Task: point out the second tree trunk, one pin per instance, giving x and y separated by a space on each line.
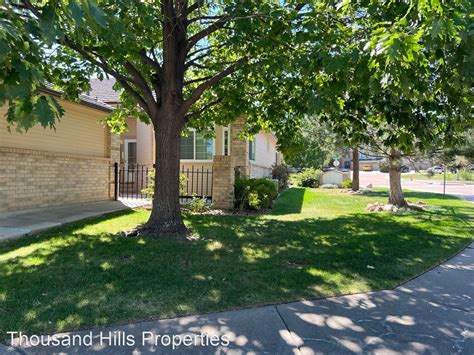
396 194
355 169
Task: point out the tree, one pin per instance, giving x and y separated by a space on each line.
404 75
355 169
314 145
179 63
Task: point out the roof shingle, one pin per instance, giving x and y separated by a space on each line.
103 90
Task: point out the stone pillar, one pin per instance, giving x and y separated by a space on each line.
223 177
114 155
240 148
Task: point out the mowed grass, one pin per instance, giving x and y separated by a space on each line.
317 243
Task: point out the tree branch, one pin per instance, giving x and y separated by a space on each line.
195 6
123 80
143 85
198 112
197 93
197 80
207 31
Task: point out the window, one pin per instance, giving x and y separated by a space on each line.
225 141
204 147
130 151
252 147
196 147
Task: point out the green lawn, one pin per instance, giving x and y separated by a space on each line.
317 243
437 177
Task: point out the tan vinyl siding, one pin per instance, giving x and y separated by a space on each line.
131 133
78 132
145 144
265 155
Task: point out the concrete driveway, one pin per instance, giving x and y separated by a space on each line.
378 179
21 223
432 314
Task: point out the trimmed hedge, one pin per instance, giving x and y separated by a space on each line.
308 178
254 194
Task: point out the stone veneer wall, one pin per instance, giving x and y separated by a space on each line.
114 154
223 182
33 178
240 148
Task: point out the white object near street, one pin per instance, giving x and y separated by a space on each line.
335 177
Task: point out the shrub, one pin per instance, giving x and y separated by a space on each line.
254 200
430 173
197 204
308 178
466 175
254 194
282 174
347 184
384 166
150 190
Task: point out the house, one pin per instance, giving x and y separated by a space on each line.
71 164
200 155
370 162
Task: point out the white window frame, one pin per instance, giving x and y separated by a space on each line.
254 151
194 150
125 148
224 130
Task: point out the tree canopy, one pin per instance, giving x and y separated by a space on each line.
401 70
64 43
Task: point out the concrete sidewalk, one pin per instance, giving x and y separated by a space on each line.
433 313
17 224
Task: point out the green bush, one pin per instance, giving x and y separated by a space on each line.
466 175
150 190
347 184
281 172
429 173
384 166
197 204
308 178
254 194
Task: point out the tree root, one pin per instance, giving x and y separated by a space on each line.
160 233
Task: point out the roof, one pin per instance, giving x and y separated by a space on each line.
103 90
84 99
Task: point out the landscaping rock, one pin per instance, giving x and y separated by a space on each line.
381 207
375 207
389 207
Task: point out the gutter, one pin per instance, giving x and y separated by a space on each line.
92 103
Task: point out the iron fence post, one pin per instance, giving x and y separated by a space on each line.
116 180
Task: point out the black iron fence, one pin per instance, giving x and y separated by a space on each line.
133 181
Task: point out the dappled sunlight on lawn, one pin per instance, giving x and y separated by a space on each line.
86 274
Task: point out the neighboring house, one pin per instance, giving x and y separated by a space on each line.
253 158
371 162
71 164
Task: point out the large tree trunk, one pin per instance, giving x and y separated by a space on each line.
355 169
396 194
165 220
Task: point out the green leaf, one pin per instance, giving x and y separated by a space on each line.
96 13
43 113
76 12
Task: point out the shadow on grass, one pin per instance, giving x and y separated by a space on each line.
67 280
410 195
290 201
